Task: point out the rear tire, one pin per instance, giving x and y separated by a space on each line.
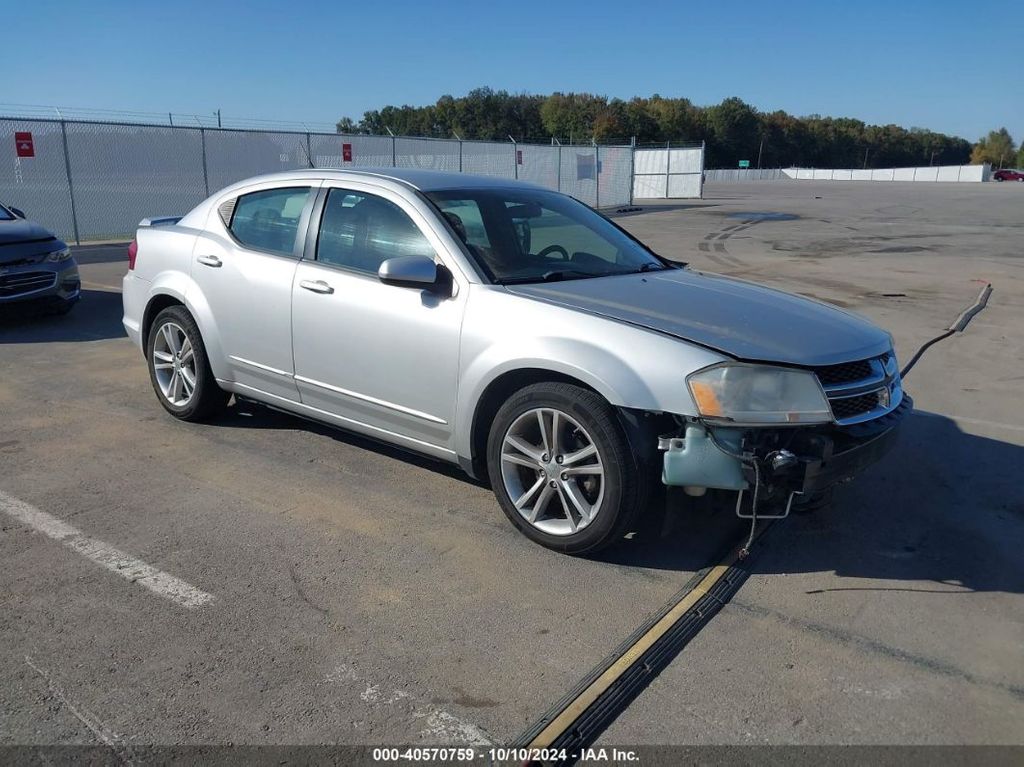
576 486
179 368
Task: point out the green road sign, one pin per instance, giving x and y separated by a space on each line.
744 163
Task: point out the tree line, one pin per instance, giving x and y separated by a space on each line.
732 130
998 149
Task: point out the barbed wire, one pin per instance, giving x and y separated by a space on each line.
220 120
175 119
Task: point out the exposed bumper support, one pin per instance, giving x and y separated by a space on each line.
823 457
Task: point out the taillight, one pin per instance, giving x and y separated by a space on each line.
133 252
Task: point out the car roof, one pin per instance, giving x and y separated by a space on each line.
415 178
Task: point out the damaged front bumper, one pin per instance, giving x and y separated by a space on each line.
784 461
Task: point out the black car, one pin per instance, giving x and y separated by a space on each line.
37 270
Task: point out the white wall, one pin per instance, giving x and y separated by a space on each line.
743 174
941 173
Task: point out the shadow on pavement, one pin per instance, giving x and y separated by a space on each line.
654 206
95 317
254 415
943 513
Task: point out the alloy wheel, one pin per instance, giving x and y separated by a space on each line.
174 364
552 471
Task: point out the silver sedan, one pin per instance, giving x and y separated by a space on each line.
514 331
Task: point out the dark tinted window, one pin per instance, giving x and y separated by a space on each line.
527 235
360 231
269 220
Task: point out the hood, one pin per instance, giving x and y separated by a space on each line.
21 240
738 318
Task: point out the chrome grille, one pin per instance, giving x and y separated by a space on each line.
861 390
25 282
850 407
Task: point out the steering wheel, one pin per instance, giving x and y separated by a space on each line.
554 249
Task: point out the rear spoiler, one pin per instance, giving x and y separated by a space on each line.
160 221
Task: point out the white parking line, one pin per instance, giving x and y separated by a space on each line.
111 288
110 557
90 720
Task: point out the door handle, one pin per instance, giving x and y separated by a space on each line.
317 286
209 261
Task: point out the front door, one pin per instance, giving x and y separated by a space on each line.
381 358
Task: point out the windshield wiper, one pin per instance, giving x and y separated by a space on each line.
554 275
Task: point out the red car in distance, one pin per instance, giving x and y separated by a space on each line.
1008 174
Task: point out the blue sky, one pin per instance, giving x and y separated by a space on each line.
935 64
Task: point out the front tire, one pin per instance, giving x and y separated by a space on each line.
563 469
179 368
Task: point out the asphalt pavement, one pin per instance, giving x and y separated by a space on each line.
264 580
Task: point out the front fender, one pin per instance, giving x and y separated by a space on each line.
630 367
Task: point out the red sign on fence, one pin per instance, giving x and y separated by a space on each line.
23 144
346 152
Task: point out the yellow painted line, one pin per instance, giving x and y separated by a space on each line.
591 693
114 288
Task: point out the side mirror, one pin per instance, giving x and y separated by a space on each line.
17 212
408 272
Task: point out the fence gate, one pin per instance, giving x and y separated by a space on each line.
668 172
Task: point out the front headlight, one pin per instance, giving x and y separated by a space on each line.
759 394
58 255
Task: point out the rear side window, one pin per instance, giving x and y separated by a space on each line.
269 220
360 231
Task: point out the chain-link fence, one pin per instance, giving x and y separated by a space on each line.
88 180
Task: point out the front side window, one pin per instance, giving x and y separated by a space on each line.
269 220
361 231
520 236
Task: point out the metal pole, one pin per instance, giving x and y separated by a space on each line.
559 166
632 167
206 178
597 176
71 188
460 149
515 158
668 162
394 157
700 183
309 151
759 149
218 118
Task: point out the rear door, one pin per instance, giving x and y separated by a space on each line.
245 275
381 358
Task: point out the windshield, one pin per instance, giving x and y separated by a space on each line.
534 236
